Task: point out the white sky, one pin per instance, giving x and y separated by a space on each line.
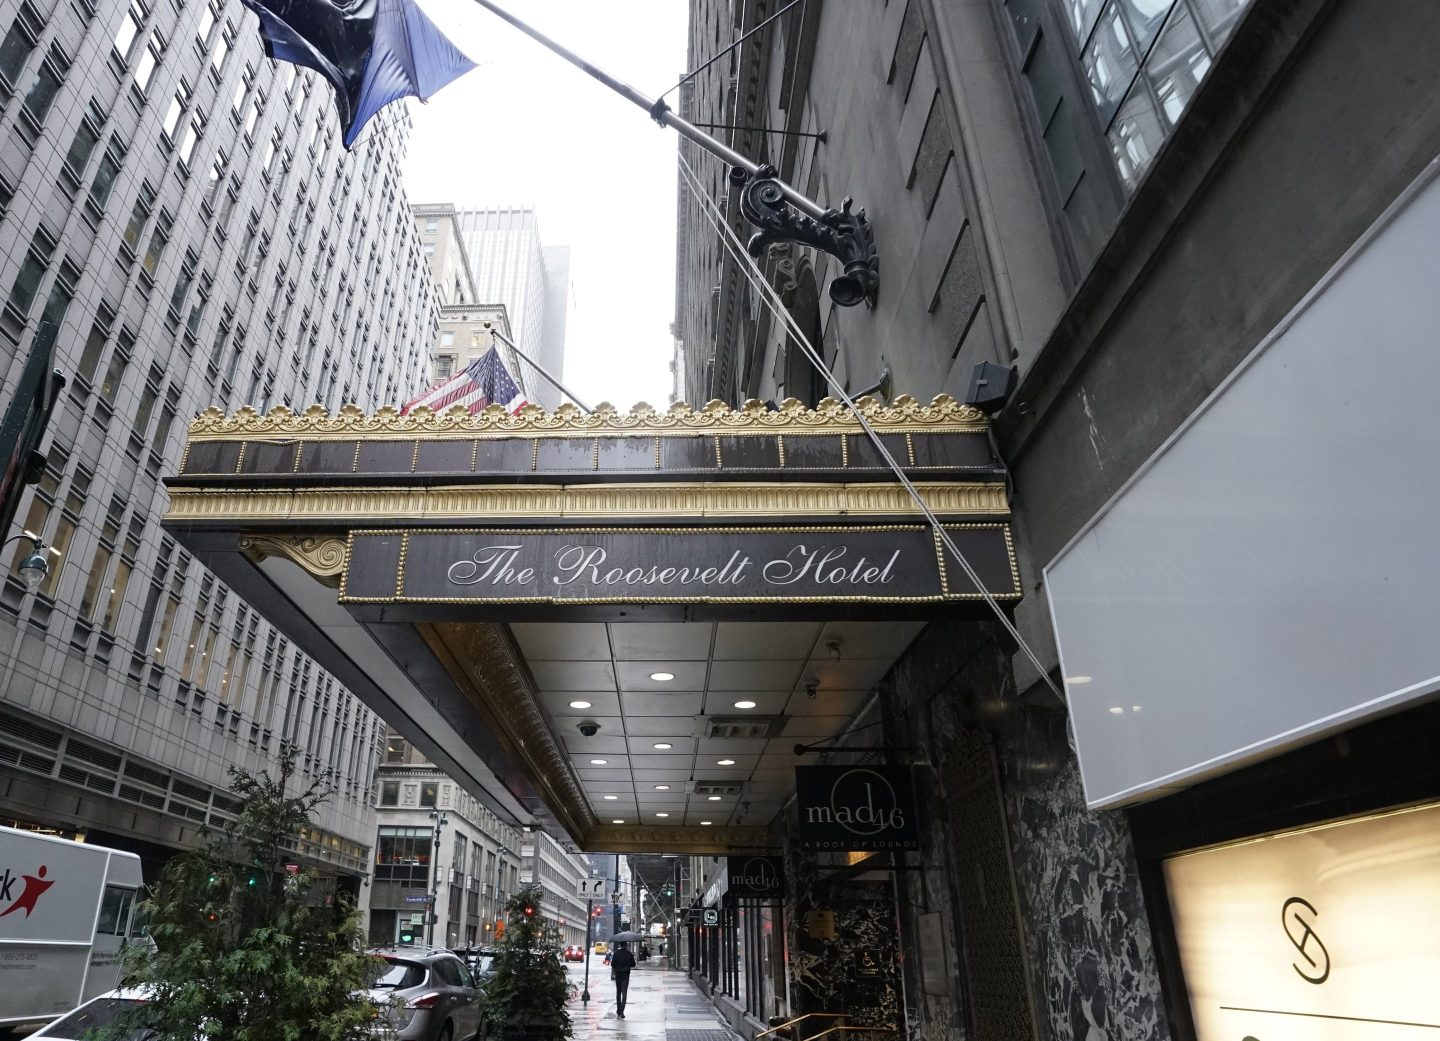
528 127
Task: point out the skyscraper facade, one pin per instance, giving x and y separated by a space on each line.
513 267
180 226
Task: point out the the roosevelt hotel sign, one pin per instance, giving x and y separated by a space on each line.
856 808
896 563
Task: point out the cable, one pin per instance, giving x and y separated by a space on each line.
695 72
772 298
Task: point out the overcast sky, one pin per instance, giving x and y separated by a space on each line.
527 127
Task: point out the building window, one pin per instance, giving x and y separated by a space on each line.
444 366
105 174
428 792
129 30
32 270
389 793
82 146
145 66
139 214
159 239
46 85
397 845
18 44
173 114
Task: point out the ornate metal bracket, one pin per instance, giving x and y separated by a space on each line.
844 235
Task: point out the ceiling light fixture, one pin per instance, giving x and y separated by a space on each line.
617 821
610 798
714 798
663 745
707 823
662 814
662 677
579 704
744 704
662 787
598 762
724 762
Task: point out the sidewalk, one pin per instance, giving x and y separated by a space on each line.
663 1005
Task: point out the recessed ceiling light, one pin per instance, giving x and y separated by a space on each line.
714 798
707 823
662 677
1115 710
598 762
610 798
662 814
662 787
662 745
579 704
744 704
617 821
724 762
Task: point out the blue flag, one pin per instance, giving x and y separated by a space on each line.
373 52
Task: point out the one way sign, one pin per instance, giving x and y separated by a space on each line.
590 888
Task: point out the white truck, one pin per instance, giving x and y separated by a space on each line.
66 908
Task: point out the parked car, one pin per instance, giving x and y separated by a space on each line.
574 953
427 994
480 961
95 1015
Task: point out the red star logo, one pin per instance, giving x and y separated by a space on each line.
34 887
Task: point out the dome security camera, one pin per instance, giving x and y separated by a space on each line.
589 728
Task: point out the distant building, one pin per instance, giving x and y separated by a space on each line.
467 859
513 268
468 321
548 864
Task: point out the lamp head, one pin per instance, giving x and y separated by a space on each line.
35 567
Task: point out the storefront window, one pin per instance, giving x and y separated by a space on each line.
397 845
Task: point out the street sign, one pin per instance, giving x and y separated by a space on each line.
419 898
590 888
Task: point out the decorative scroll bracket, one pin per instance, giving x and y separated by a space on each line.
844 235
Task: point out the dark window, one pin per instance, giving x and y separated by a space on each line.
32 270
46 85
428 792
105 174
18 43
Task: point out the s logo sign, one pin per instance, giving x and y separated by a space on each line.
1296 917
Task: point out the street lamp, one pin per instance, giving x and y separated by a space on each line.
441 818
35 567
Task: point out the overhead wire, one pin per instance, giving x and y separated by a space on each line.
771 298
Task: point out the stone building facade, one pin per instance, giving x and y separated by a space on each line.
181 227
435 840
1127 201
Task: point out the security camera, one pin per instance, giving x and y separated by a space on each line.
589 728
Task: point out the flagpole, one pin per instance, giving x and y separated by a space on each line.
540 369
765 200
664 115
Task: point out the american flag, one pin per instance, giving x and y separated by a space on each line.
483 382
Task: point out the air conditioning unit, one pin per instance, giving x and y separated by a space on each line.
714 787
749 727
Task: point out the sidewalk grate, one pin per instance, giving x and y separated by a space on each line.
698 1035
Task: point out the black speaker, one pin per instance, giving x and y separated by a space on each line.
991 386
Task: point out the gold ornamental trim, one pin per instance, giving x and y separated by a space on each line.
582 501
323 556
684 838
714 417
487 667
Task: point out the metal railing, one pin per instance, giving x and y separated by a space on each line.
791 1022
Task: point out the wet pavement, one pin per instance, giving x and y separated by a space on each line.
663 1005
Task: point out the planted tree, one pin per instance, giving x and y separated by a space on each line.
524 1000
246 948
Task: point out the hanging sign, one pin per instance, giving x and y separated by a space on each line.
755 876
856 808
